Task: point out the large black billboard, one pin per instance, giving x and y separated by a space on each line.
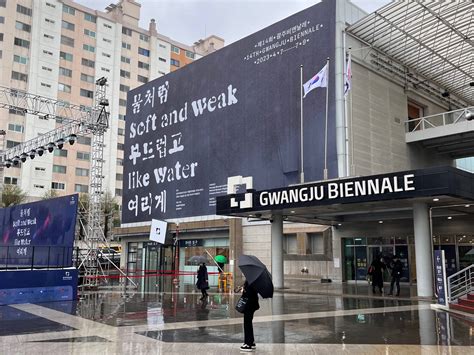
234 112
38 233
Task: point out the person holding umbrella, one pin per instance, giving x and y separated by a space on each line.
257 281
202 281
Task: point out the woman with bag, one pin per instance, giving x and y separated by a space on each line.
202 281
247 305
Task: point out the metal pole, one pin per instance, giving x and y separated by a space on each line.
301 127
326 126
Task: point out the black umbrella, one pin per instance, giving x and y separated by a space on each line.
257 275
198 259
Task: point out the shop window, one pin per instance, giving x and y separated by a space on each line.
316 243
290 244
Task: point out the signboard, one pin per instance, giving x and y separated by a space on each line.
191 243
440 274
158 230
233 112
39 233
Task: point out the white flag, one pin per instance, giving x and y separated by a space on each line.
320 80
348 77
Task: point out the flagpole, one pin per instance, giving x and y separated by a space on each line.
301 127
326 126
353 172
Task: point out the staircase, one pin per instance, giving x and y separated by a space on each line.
461 290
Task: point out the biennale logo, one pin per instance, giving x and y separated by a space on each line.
232 183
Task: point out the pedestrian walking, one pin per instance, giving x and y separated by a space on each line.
202 280
397 268
376 271
249 292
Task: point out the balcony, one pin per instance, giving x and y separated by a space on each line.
450 133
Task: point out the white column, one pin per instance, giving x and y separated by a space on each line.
277 251
423 250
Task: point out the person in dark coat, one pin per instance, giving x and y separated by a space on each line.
377 267
397 268
252 305
202 280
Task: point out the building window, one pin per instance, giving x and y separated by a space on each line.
124 88
48 20
106 55
51 5
120 146
20 59
175 62
15 127
47 52
106 40
82 172
126 45
175 49
22 26
46 85
22 42
11 144
290 245
118 192
125 74
119 177
58 185
40 168
14 111
36 186
65 72
48 36
83 155
60 169
105 69
316 243
67 41
69 10
66 56
125 59
90 18
60 153
19 76
143 51
120 131
162 45
84 140
122 117
23 10
87 78
88 47
88 63
119 162
3 3
162 59
10 180
46 68
122 102
142 79
81 188
87 93
107 26
64 87
144 37
2 19
89 33
68 25
144 65
126 31
1 37
190 54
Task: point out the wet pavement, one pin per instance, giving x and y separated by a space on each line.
306 317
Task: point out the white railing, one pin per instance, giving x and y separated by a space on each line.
460 283
439 120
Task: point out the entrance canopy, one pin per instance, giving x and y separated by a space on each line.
375 197
431 38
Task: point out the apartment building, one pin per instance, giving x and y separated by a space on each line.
57 49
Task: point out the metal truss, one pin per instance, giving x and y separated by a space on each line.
77 120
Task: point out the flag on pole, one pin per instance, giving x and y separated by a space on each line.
320 80
348 76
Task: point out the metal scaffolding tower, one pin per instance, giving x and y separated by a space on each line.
76 120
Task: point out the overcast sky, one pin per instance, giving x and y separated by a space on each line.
187 21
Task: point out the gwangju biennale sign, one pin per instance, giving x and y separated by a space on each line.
235 111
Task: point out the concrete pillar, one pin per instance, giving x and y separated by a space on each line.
277 251
235 249
423 251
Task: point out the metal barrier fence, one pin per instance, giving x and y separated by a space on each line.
34 257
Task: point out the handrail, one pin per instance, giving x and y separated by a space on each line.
460 283
421 123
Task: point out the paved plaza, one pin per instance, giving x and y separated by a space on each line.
307 317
